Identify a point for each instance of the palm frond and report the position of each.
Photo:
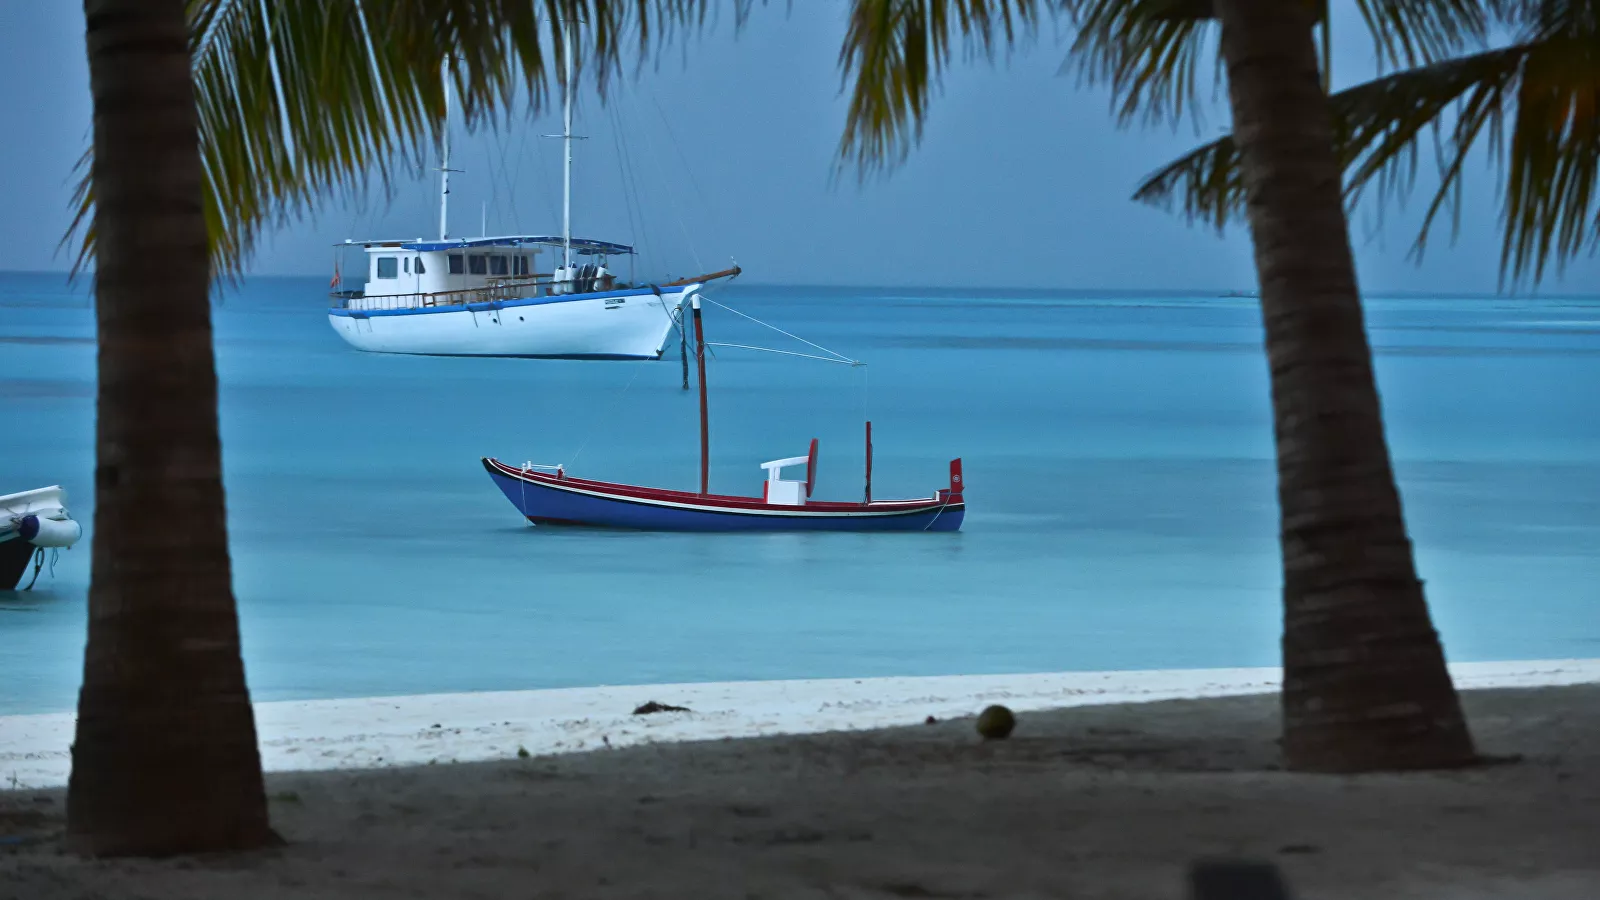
(1149, 53)
(1376, 128)
(896, 49)
(1413, 33)
(301, 98)
(1552, 212)
(1535, 104)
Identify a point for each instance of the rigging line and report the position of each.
(635, 200)
(676, 320)
(505, 177)
(516, 178)
(939, 513)
(705, 206)
(843, 362)
(672, 200)
(494, 195)
(622, 171)
(839, 356)
(543, 179)
(614, 404)
(679, 148)
(630, 179)
(505, 201)
(642, 239)
(644, 245)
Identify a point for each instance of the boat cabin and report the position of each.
(407, 274)
(779, 491)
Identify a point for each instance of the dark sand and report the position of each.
(1087, 802)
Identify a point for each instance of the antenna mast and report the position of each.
(566, 137)
(444, 158)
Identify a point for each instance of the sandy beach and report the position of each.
(1097, 797)
(379, 732)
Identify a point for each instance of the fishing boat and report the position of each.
(31, 523)
(486, 296)
(547, 495)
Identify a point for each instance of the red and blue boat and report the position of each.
(547, 495)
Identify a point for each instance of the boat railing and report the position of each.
(500, 289)
(504, 290)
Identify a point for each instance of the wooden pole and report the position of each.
(705, 430)
(869, 463)
(709, 276)
(683, 348)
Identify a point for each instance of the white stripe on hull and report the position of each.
(797, 512)
(637, 325)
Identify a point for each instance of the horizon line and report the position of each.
(1203, 290)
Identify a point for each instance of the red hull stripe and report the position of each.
(723, 503)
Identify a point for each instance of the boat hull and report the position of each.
(630, 324)
(14, 558)
(30, 523)
(554, 500)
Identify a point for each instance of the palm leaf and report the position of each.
(298, 99)
(896, 50)
(1412, 33)
(1148, 51)
(1376, 126)
(1536, 105)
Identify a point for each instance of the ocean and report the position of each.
(1117, 449)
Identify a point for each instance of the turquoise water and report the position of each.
(1117, 452)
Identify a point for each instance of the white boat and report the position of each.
(485, 296)
(31, 523)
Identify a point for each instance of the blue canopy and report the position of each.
(581, 246)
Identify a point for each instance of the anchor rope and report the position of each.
(939, 513)
(842, 362)
(837, 356)
(38, 564)
(615, 402)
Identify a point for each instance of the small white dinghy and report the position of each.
(31, 523)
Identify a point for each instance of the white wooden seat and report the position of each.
(781, 492)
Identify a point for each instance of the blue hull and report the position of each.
(547, 505)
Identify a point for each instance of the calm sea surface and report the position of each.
(1117, 450)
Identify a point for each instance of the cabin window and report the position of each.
(497, 265)
(388, 267)
(520, 265)
(407, 263)
(477, 264)
(458, 264)
(418, 267)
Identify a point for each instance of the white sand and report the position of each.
(418, 730)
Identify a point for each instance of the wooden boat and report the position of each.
(548, 495)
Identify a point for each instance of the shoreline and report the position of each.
(418, 730)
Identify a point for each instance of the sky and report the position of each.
(724, 149)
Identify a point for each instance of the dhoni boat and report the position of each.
(547, 495)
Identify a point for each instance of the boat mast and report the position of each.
(444, 159)
(705, 431)
(868, 497)
(566, 138)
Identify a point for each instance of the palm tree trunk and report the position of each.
(165, 758)
(1365, 685)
